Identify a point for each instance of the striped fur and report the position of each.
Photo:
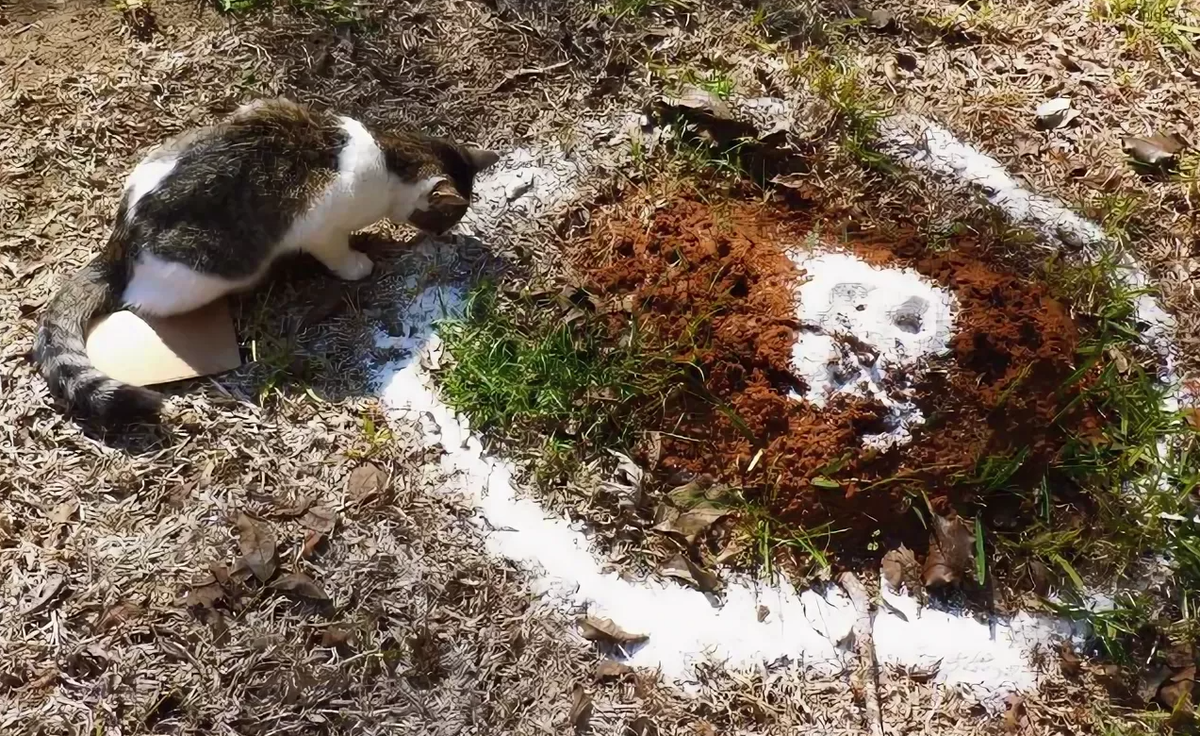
(61, 352)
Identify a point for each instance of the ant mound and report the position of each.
(846, 385)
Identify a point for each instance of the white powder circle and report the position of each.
(865, 331)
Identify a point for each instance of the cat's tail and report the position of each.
(60, 349)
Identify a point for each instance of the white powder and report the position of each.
(683, 626)
(525, 181)
(924, 144)
(865, 331)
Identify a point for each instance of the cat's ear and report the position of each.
(445, 195)
(480, 158)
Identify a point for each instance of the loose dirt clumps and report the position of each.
(716, 286)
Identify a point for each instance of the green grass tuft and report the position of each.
(526, 369)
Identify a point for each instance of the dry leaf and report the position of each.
(45, 594)
(299, 507)
(312, 540)
(641, 726)
(682, 568)
(205, 595)
(602, 629)
(1176, 693)
(257, 543)
(611, 669)
(1055, 113)
(691, 524)
(581, 709)
(1154, 150)
(118, 614)
(762, 613)
(320, 519)
(1149, 680)
(63, 512)
(1069, 661)
(898, 566)
(1012, 716)
(951, 552)
(365, 483)
(299, 585)
(336, 636)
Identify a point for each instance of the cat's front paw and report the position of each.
(354, 266)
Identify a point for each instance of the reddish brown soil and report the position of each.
(717, 288)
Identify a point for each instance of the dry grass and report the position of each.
(108, 543)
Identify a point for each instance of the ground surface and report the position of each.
(123, 609)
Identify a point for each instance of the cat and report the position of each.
(205, 214)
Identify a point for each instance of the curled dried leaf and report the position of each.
(691, 524)
(257, 543)
(611, 669)
(312, 540)
(299, 585)
(681, 568)
(951, 551)
(45, 594)
(899, 565)
(603, 629)
(366, 483)
(319, 519)
(581, 709)
(118, 615)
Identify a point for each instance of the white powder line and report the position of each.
(924, 144)
(684, 627)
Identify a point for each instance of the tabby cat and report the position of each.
(205, 213)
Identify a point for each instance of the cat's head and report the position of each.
(448, 200)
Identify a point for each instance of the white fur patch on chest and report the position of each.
(357, 197)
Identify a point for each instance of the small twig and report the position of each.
(865, 644)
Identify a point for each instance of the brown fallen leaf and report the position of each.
(257, 543)
(762, 613)
(301, 505)
(45, 594)
(1176, 693)
(691, 524)
(681, 568)
(603, 629)
(319, 519)
(641, 726)
(312, 540)
(299, 585)
(204, 595)
(1069, 662)
(611, 669)
(62, 513)
(336, 636)
(365, 483)
(581, 709)
(898, 566)
(1154, 150)
(951, 551)
(1014, 713)
(118, 615)
(1149, 680)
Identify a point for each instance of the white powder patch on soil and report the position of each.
(866, 331)
(684, 627)
(530, 182)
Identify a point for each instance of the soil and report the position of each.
(717, 287)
